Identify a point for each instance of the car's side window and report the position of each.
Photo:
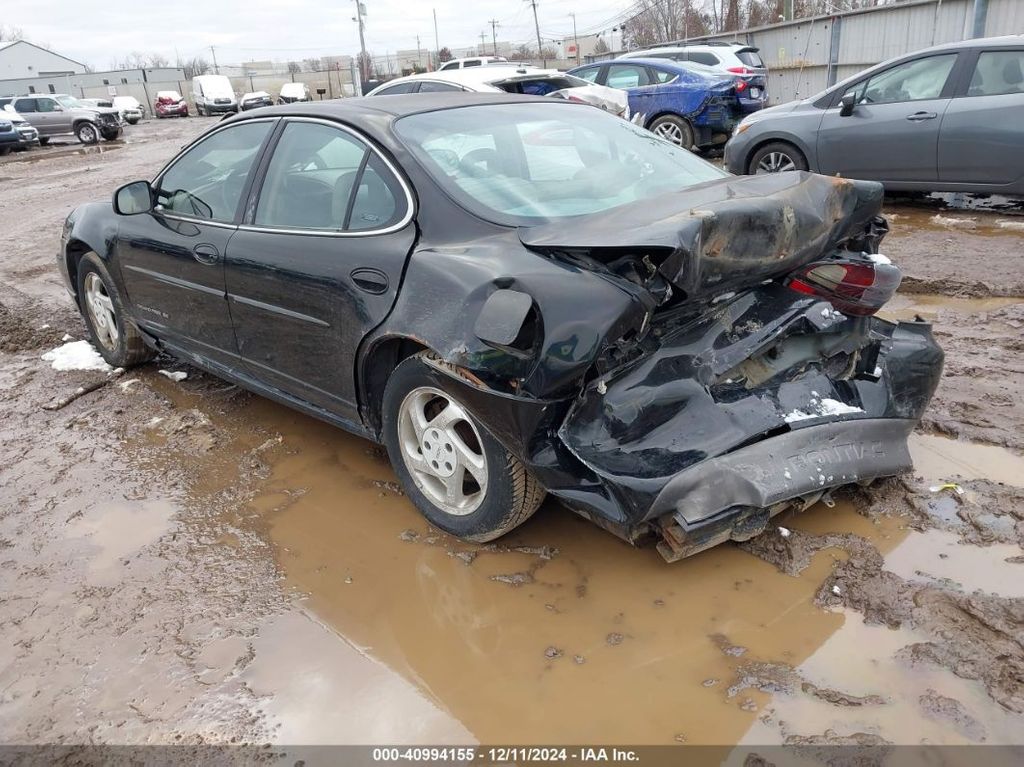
(998, 73)
(452, 65)
(45, 105)
(25, 106)
(429, 87)
(911, 81)
(398, 88)
(472, 63)
(627, 76)
(325, 179)
(589, 74)
(661, 76)
(208, 180)
(702, 57)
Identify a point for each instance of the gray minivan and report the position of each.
(947, 118)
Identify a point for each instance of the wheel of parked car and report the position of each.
(4, 151)
(87, 133)
(777, 157)
(459, 477)
(114, 336)
(675, 129)
(44, 140)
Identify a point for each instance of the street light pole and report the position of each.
(536, 24)
(494, 34)
(360, 14)
(575, 38)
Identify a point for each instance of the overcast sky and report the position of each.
(95, 33)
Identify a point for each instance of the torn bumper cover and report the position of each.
(733, 497)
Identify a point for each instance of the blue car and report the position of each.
(15, 133)
(686, 107)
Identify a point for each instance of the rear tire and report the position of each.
(424, 427)
(114, 335)
(673, 129)
(44, 140)
(776, 157)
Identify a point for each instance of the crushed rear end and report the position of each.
(755, 384)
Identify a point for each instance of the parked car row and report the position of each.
(60, 114)
(213, 94)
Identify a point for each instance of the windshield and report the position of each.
(527, 163)
(69, 102)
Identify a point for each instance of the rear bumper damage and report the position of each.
(733, 497)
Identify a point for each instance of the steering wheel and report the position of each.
(471, 161)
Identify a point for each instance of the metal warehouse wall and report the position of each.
(807, 56)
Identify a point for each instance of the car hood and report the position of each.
(719, 236)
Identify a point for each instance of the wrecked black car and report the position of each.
(519, 297)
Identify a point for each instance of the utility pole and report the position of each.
(575, 39)
(536, 24)
(494, 34)
(483, 44)
(360, 16)
(437, 43)
(419, 60)
(213, 53)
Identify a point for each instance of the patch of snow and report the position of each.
(835, 407)
(126, 385)
(174, 375)
(784, 532)
(1015, 225)
(787, 475)
(878, 371)
(45, 327)
(878, 258)
(798, 415)
(67, 337)
(836, 590)
(958, 223)
(723, 297)
(76, 355)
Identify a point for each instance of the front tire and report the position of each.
(115, 337)
(87, 133)
(458, 476)
(674, 129)
(776, 157)
(44, 140)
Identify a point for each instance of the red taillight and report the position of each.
(741, 70)
(857, 287)
(741, 85)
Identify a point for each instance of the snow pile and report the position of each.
(176, 375)
(820, 408)
(76, 355)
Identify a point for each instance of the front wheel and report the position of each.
(87, 133)
(115, 337)
(458, 476)
(674, 129)
(44, 140)
(777, 157)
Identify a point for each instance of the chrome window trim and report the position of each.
(155, 183)
(399, 225)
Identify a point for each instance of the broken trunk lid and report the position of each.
(722, 235)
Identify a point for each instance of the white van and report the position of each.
(212, 94)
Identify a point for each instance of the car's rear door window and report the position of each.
(397, 88)
(916, 80)
(326, 179)
(627, 76)
(25, 106)
(432, 87)
(589, 73)
(997, 73)
(703, 57)
(661, 76)
(207, 181)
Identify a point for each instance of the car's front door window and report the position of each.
(627, 76)
(916, 80)
(325, 179)
(208, 180)
(45, 105)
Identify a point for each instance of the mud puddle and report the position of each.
(940, 459)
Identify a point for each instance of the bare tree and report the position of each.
(523, 52)
(195, 66)
(445, 54)
(9, 33)
(601, 46)
(294, 67)
(549, 53)
(313, 65)
(158, 60)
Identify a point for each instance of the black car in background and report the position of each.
(521, 296)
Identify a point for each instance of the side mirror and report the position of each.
(133, 198)
(58, 108)
(847, 104)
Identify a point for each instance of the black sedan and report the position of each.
(518, 297)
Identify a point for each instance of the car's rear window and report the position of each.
(527, 163)
(750, 58)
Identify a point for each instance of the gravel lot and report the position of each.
(184, 562)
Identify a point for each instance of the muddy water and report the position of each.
(558, 634)
(941, 459)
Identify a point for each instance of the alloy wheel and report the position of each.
(670, 131)
(101, 311)
(442, 450)
(775, 162)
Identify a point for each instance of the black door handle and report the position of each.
(918, 116)
(369, 279)
(206, 253)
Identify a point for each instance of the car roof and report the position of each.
(393, 107)
(977, 42)
(668, 64)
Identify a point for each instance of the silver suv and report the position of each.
(59, 114)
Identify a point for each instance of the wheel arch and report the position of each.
(668, 113)
(377, 364)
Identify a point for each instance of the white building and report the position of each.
(20, 59)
